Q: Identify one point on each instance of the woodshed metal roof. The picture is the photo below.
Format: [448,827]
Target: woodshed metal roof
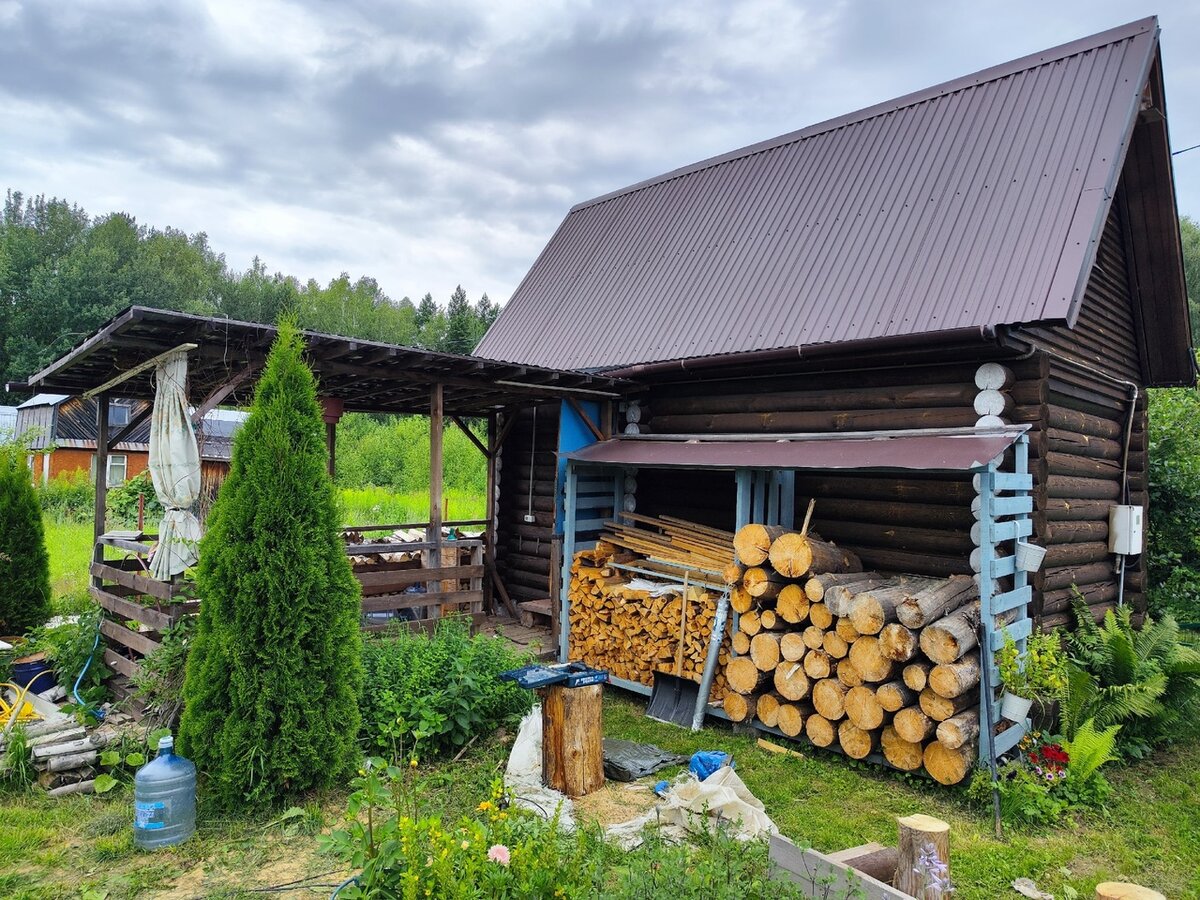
[971,204]
[367,376]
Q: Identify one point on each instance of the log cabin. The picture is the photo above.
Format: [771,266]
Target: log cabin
[1001,248]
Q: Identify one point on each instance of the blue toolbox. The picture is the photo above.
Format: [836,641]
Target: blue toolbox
[570,674]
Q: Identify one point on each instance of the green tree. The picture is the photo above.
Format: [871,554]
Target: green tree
[274,676]
[460,324]
[427,309]
[24,562]
[1190,232]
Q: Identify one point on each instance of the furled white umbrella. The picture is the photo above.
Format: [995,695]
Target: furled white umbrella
[175,470]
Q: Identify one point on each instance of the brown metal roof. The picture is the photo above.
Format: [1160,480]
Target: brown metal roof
[368,376]
[971,204]
[931,450]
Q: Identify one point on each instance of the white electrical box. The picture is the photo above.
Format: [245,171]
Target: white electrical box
[1125,530]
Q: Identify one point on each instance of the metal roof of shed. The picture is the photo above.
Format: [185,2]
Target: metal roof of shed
[971,204]
[940,450]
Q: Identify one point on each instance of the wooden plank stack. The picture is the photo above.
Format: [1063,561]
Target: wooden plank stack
[632,632]
[861,660]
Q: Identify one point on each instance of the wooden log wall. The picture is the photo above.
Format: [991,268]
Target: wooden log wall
[523,550]
[1078,457]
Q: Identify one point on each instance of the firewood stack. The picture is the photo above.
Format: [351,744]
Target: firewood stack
[618,624]
[858,659]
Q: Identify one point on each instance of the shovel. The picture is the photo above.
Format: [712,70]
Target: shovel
[673,698]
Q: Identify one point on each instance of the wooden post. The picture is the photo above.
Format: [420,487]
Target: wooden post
[331,412]
[572,738]
[919,835]
[433,533]
[489,536]
[101,478]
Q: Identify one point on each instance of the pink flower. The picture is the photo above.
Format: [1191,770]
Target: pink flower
[498,853]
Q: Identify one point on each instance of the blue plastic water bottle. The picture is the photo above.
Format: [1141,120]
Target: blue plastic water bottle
[164,799]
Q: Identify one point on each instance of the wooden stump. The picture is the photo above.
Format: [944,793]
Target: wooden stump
[573,738]
[918,834]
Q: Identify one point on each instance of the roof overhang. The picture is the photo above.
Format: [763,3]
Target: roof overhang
[368,376]
[930,450]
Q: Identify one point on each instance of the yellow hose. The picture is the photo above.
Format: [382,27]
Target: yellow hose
[24,711]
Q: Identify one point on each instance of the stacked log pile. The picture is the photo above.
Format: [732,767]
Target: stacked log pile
[659,620]
[856,660]
[66,755]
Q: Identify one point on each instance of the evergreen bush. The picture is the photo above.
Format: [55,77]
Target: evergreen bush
[274,673]
[24,562]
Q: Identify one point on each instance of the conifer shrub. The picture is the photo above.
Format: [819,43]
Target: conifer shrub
[24,562]
[274,673]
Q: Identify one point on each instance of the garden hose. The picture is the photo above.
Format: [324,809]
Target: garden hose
[97,713]
[353,879]
[18,710]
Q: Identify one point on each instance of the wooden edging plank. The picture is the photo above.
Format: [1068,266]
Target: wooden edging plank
[405,577]
[820,876]
[143,585]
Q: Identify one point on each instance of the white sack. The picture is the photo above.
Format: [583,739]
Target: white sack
[175,470]
[523,777]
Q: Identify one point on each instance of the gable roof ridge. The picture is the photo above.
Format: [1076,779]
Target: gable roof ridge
[983,76]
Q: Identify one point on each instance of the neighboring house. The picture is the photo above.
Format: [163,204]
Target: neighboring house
[854,275]
[8,422]
[62,438]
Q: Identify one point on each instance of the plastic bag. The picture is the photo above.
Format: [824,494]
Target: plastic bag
[629,761]
[705,762]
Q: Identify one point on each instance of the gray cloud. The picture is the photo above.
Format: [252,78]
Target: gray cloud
[429,144]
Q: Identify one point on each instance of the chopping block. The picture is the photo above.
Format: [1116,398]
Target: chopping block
[573,738]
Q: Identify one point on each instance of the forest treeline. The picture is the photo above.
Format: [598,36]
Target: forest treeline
[63,273]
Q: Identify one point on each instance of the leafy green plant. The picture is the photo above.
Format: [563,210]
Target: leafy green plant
[16,763]
[69,497]
[69,646]
[1173,545]
[24,562]
[1146,680]
[160,677]
[274,673]
[122,502]
[434,694]
[1040,673]
[123,760]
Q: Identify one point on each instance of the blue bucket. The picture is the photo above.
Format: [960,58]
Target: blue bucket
[36,673]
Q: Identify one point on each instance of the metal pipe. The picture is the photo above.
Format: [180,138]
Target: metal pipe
[710,663]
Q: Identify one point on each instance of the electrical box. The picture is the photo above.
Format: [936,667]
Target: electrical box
[1125,530]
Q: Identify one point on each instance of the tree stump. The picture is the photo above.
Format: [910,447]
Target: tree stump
[573,738]
[917,834]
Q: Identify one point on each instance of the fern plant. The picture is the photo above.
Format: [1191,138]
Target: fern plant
[1146,680]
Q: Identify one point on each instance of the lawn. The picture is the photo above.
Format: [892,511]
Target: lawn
[70,546]
[1150,834]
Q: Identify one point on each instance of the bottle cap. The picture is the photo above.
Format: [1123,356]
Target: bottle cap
[166,743]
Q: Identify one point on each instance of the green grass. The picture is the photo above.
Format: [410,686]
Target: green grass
[59,848]
[381,506]
[70,546]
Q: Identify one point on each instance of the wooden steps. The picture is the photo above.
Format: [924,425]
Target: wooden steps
[535,612]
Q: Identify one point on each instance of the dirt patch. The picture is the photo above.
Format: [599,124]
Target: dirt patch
[286,861]
[615,802]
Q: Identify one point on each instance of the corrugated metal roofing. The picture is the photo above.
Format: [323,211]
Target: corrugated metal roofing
[970,204]
[945,452]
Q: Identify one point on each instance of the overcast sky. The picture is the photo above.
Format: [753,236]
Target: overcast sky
[431,144]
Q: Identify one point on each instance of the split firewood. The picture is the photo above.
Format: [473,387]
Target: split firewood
[898,643]
[863,708]
[913,725]
[904,755]
[960,729]
[941,708]
[956,678]
[937,600]
[895,695]
[829,698]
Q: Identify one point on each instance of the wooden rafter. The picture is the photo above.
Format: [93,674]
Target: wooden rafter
[471,435]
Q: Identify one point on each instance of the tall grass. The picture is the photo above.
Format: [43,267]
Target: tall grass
[381,506]
[70,546]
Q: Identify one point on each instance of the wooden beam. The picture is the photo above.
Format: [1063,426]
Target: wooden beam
[436,433]
[219,393]
[471,436]
[587,420]
[101,476]
[137,420]
[136,370]
[510,419]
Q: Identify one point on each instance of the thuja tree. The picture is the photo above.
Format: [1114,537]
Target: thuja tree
[24,563]
[273,677]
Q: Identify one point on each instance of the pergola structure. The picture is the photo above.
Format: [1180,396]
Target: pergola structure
[225,358]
